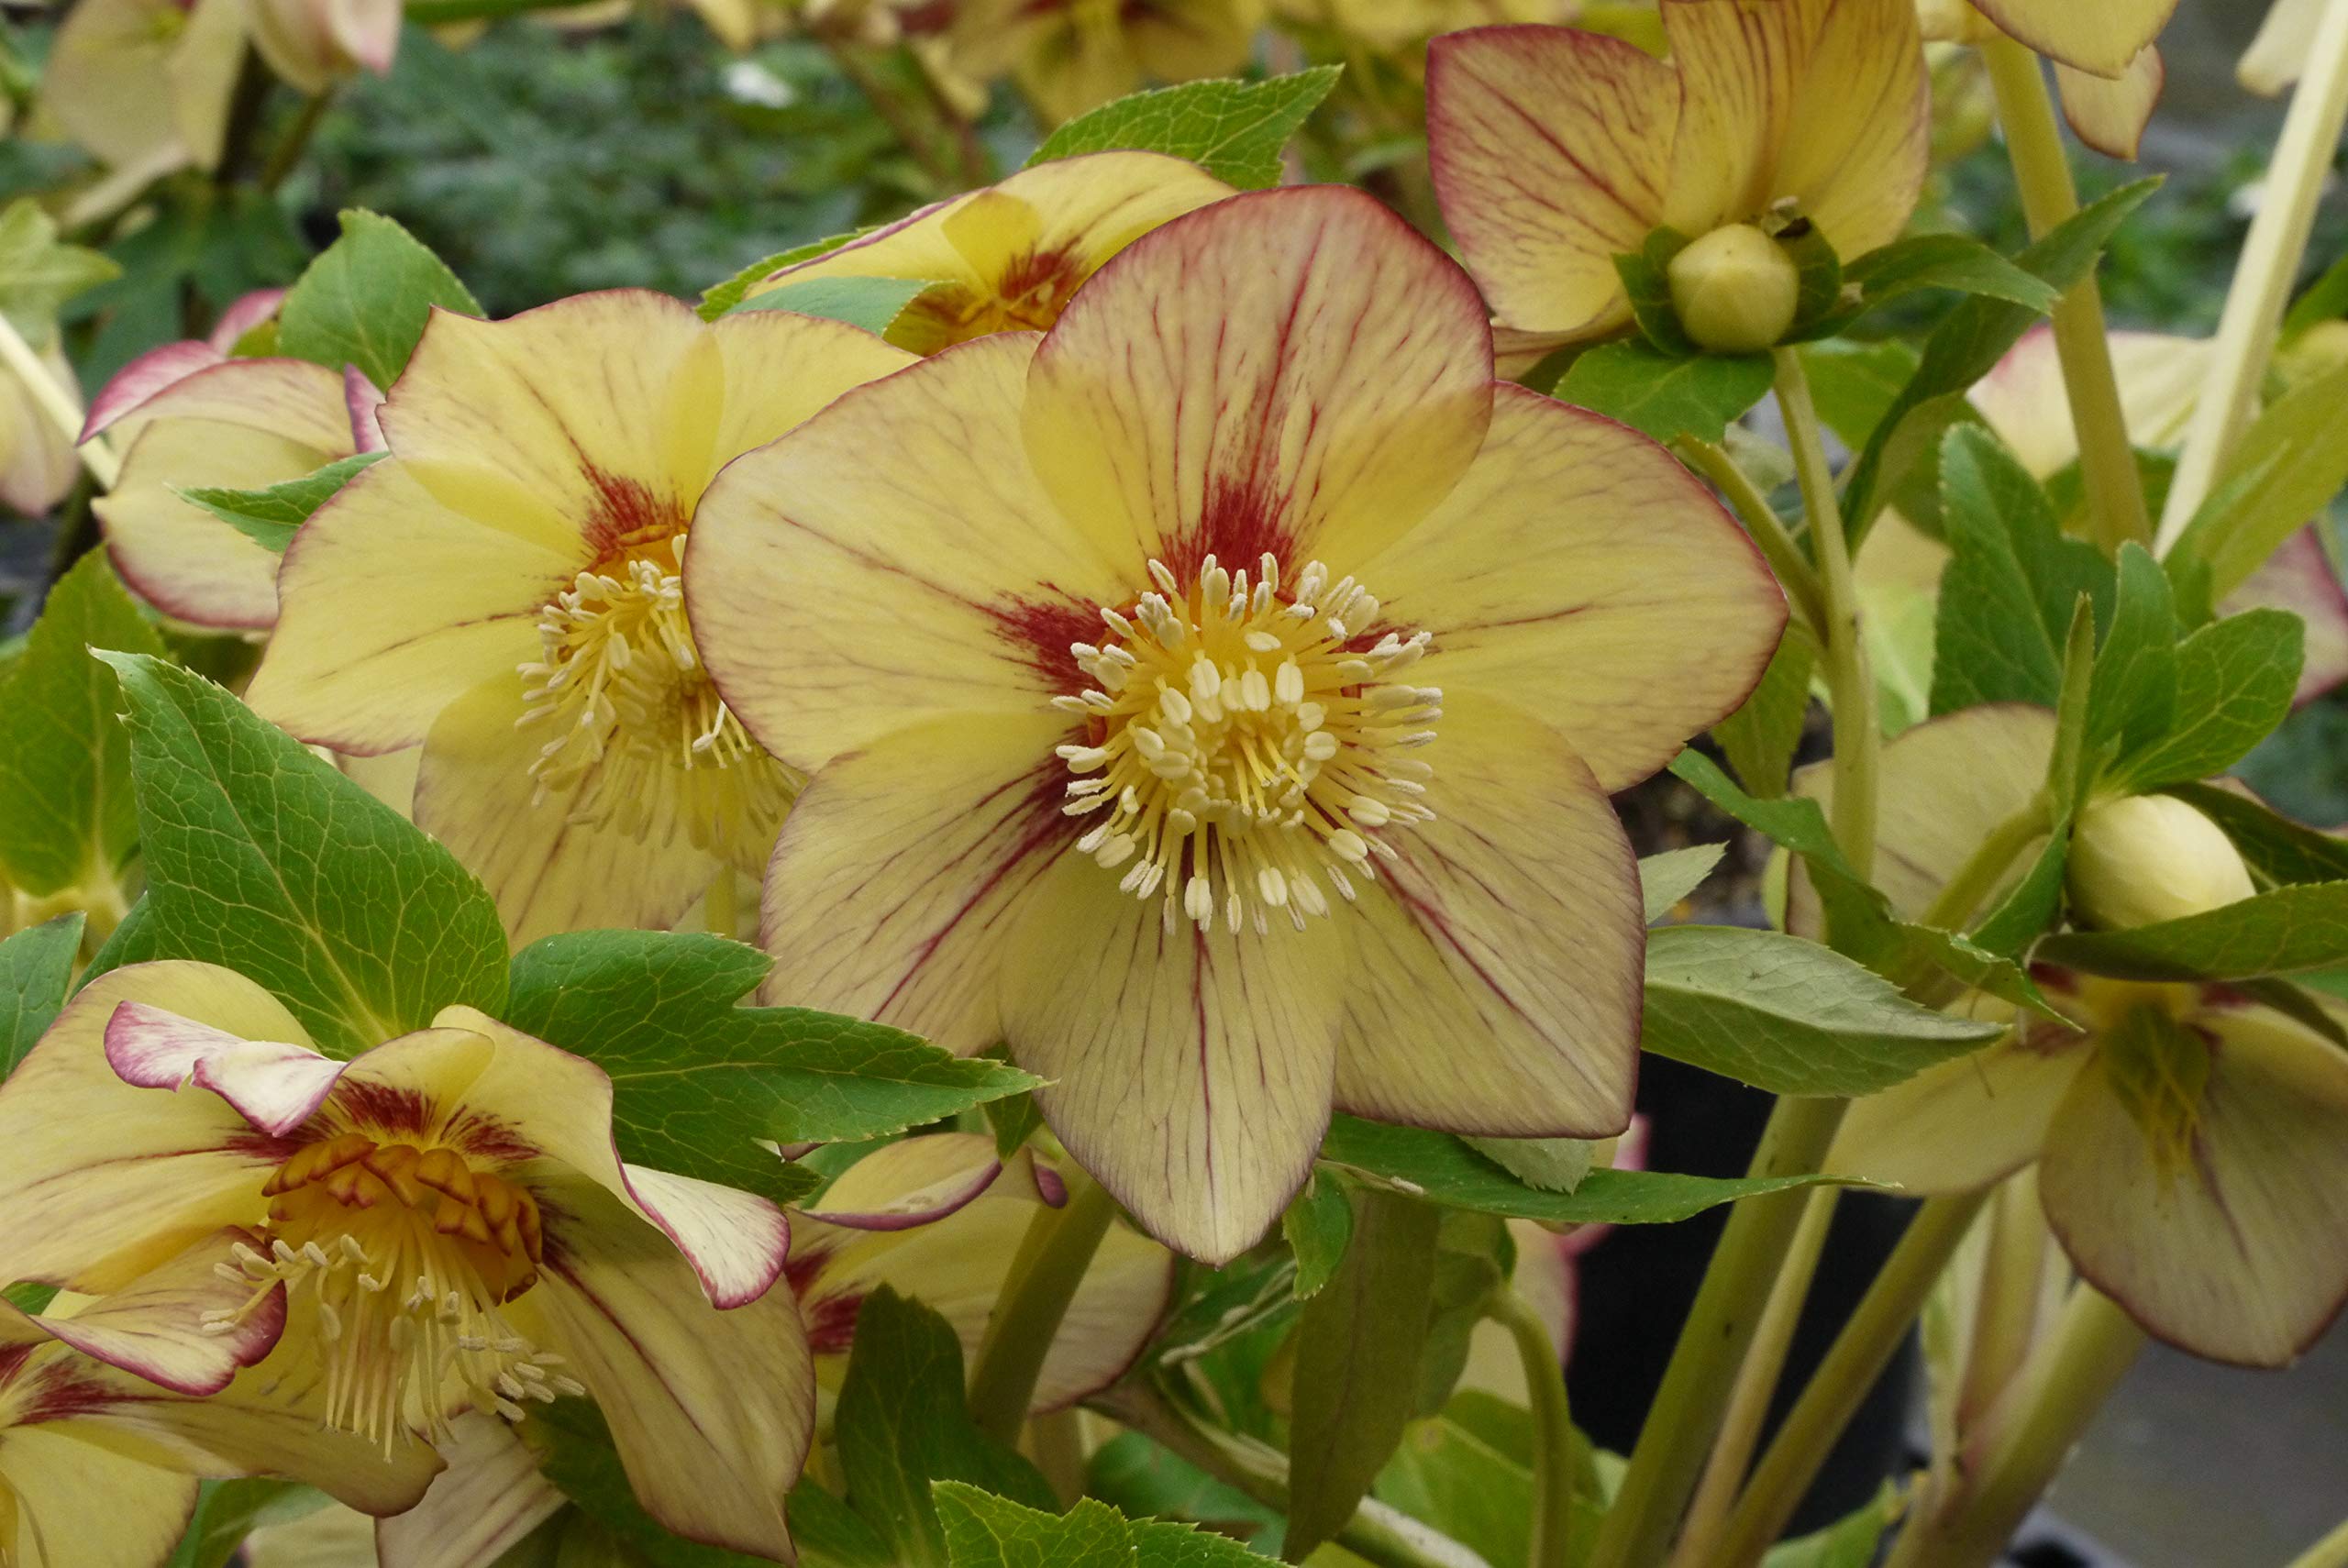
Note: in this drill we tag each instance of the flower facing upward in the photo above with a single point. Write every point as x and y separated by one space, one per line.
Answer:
1008 258
503 588
1216 699
438 1226
1555 150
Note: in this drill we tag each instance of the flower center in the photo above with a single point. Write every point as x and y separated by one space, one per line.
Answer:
642 741
403 1257
1243 750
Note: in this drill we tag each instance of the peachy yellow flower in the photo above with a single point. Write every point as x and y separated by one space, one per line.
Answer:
1555 150
2191 1146
1070 56
441 1225
503 589
144 85
1009 257
2108 108
1217 699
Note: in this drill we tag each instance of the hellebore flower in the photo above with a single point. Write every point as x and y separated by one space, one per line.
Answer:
503 588
1555 150
37 463
1008 258
2108 105
2191 1144
312 43
144 85
940 1219
1217 700
1070 56
441 1225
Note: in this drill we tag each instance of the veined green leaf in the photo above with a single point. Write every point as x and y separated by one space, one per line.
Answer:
229 1511
36 976
1234 131
2235 678
1668 878
1761 736
1953 261
1855 384
1318 1225
37 274
365 299
986 1531
268 517
719 298
2281 931
1552 1164
2287 469
872 303
1663 396
2134 694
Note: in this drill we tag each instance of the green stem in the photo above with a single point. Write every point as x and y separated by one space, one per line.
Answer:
1850 685
1055 1442
1051 1261
1952 909
1688 1408
2332 1551
287 153
1553 1430
2115 491
1852 1364
56 404
2264 274
1792 568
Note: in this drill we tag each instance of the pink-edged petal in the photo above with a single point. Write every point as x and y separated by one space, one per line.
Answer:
1857 131
893 883
712 1412
838 598
1189 1069
2110 112
38 466
736 1241
291 399
361 399
156 1327
1965 1123
1543 560
2299 577
274 1085
80 1505
248 311
1551 151
1495 981
488 1498
916 1181
144 377
1236 383
2102 37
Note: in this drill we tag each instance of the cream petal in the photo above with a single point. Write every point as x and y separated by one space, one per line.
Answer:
1857 133
273 1084
2110 112
144 377
920 1181
1739 67
155 1329
248 311
1964 1124
2022 398
2275 57
82 1506
1233 384
2101 37
1536 576
781 367
488 1498
2299 578
1551 151
291 399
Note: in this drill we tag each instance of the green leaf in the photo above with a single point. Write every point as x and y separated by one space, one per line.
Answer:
2032 903
365 299
1663 396
1976 335
701 1086
1646 281
133 941
66 813
2067 776
1760 737
576 1455
1234 131
1354 1342
37 274
2325 300
1446 1171
36 976
265 859
719 298
1849 1542
830 1534
1956 262
1318 1225
268 517
2011 583
872 303
1474 1257
1817 271
1855 384
986 1531
2135 693
227 1511
1552 1164
2286 468
2275 847
2281 931
1789 1016
901 1425
2235 679
1668 878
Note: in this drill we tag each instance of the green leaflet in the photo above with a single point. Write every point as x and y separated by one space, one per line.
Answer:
2281 931
1234 131
1668 878
719 298
2275 847
268 517
227 1511
366 299
36 976
1318 1225
986 1531
1662 396
2287 469
872 303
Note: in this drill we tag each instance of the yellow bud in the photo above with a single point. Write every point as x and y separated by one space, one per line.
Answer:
2148 858
1735 290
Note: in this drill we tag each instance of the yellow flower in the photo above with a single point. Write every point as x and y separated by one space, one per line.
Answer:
1217 699
1070 56
144 84
439 1225
311 43
2191 1146
2107 105
2104 38
1555 150
1009 257
503 589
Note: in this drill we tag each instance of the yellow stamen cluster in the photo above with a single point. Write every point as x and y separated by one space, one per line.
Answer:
637 721
400 1259
1241 750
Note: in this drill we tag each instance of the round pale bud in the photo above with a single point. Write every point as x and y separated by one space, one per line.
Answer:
1734 289
2147 859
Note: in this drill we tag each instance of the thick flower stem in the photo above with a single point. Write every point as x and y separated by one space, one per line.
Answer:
2043 174
1051 1261
2061 1388
56 404
2266 270
1553 1430
1687 1411
1793 569
2332 1551
1852 1364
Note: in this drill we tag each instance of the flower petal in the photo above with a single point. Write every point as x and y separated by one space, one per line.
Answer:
1235 383
82 1506
893 883
1965 1123
1857 133
781 367
1543 560
360 400
711 1411
2241 1255
2299 578
392 606
2279 52
144 377
838 598
155 1329
1551 151
488 1499
291 399
182 559
2102 38
248 311
2110 112
274 1085
104 1181
1189 1069
2161 379
1497 969
914 1182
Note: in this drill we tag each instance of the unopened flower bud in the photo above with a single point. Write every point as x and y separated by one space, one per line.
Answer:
2148 858
1734 289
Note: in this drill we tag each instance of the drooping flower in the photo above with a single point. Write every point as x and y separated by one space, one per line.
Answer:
1009 257
1070 56
503 589
2191 1144
940 1219
1555 150
144 85
312 43
2109 38
2279 52
37 463
441 1225
1217 700
2108 108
